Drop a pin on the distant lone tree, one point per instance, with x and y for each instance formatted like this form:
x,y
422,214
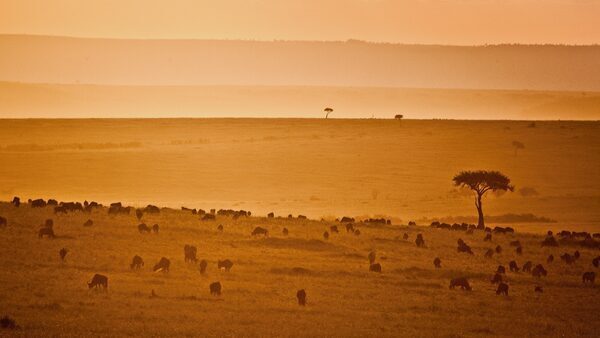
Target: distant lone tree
x,y
398,117
327,111
518,146
480,182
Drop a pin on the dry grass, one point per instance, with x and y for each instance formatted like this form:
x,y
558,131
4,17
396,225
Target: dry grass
x,y
410,298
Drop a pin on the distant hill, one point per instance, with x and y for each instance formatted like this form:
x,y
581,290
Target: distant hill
x,y
63,60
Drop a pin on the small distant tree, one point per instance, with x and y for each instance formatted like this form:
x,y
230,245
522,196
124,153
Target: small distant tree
x,y
327,111
518,146
399,117
480,182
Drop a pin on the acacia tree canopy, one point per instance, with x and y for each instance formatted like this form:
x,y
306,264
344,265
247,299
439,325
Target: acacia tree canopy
x,y
482,181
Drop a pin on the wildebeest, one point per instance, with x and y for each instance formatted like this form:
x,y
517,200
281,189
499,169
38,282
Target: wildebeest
x,y
464,247
539,289
99,281
215,289
270,215
220,228
16,201
489,253
225,264
136,263
301,217
202,266
502,289
375,267
513,266
501,269
372,257
420,241
515,243
38,203
301,295
63,253
405,236
334,229
285,231
59,210
8,323
350,227
142,227
412,223
45,231
260,231
462,282
49,223
527,266
151,209
550,241
437,262
487,238
347,219
88,223
539,271
498,249
208,217
189,252
162,265
497,278
519,250
550,259
589,276
155,228
139,214
567,258
596,261
326,235
3,222
356,232
576,255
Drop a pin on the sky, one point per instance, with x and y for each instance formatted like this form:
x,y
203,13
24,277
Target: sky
x,y
456,22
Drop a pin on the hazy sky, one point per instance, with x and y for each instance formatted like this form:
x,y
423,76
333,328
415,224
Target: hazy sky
x,y
408,21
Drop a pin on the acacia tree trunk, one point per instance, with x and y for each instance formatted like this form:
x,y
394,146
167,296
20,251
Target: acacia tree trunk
x,y
480,223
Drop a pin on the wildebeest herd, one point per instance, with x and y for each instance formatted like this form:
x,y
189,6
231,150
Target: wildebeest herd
x,y
464,246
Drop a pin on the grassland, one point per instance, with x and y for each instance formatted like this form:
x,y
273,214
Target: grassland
x,y
410,297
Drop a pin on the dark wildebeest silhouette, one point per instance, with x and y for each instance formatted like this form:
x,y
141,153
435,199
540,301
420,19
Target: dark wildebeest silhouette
x,y
464,247
225,264
99,281
215,289
550,241
290,216
576,255
375,267
260,231
550,259
285,231
515,243
139,214
8,323
513,266
38,203
412,223
501,269
539,289
63,253
326,235
539,271
372,257
60,210
162,265
346,219
527,266
208,217
567,258
502,289
16,201
356,232
489,253
497,278
498,249
334,229
155,228
420,241
462,282
301,295
302,217
49,223
202,266
220,228
589,276
189,253
45,231
88,223
596,261
270,215
151,209
437,262
405,236
3,222
136,263
488,237
349,227
143,228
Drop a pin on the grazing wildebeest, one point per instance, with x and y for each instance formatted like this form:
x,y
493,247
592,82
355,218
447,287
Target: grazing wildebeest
x,y
143,228
326,235
349,227
59,210
589,276
290,216
550,259
301,295
220,228
301,217
519,250
515,243
347,219
260,231
225,264
375,267
202,266
215,289
99,281
88,223
498,249
334,229
372,257
285,231
189,252
155,228
16,201
539,271
8,323
162,265
412,223
136,263
270,215
567,258
501,269
356,232
208,217
497,278
502,289
45,231
550,241
489,253
405,236
63,253
420,241
527,266
487,238
539,289
3,222
49,223
437,262
139,214
463,247
462,282
151,209
39,203
596,261
513,266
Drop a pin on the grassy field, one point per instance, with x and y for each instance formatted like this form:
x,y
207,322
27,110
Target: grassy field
x,y
410,297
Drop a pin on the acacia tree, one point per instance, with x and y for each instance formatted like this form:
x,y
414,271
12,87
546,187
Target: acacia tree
x,y
327,111
480,182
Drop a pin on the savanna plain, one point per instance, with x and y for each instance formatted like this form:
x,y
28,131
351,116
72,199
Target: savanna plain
x,y
324,169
